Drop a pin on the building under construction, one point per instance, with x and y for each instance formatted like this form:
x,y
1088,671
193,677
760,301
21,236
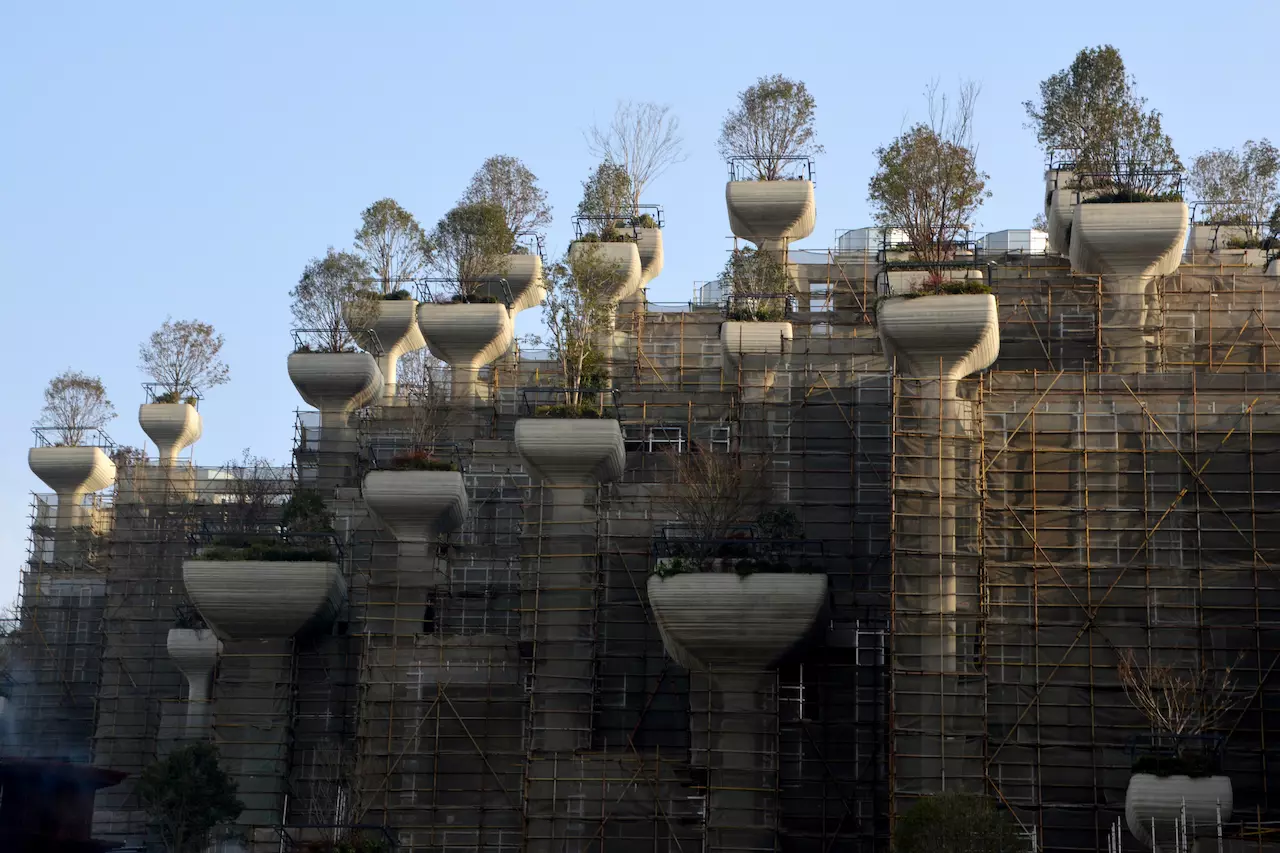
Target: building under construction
x,y
995,496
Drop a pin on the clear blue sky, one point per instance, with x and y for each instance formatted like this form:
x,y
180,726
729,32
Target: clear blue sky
x,y
188,159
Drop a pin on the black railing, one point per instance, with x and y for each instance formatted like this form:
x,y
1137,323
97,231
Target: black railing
x,y
158,392
306,340
623,223
50,436
603,400
760,306
755,168
400,452
449,291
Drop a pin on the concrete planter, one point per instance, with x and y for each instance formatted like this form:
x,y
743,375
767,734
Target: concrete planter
x,y
395,333
467,337
722,621
172,426
770,213
946,336
1214,238
417,506
195,651
523,275
1128,245
336,383
742,339
1160,799
261,599
72,472
565,451
624,258
649,245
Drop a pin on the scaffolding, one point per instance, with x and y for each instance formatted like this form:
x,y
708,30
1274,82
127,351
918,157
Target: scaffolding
x,y
505,686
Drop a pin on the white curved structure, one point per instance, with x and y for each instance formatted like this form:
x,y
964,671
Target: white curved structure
x,y
523,275
1128,245
622,258
649,246
1060,202
467,336
72,472
944,337
713,621
256,599
417,506
1160,800
195,651
394,328
771,213
336,383
571,451
172,426
753,352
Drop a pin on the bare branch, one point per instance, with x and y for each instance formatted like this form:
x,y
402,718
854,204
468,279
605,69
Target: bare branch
x,y
1178,701
75,403
183,358
642,138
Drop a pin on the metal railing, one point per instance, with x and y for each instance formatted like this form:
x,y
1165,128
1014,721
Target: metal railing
x,y
797,167
302,341
155,391
53,436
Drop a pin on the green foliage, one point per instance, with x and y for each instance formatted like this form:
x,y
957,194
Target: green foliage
x,y
772,121
1132,196
472,241
757,282
348,845
1194,764
321,298
420,460
174,397
585,411
1245,183
473,299
506,181
1090,109
305,512
957,823
184,356
644,220
606,193
392,245
267,550
397,296
186,795
75,403
779,523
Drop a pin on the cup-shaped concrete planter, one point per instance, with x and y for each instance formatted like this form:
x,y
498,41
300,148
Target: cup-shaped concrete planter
x,y
622,258
1216,238
417,506
649,245
72,472
945,337
770,213
195,651
467,336
394,328
336,383
743,339
1160,800
571,451
172,426
258,599
713,621
524,284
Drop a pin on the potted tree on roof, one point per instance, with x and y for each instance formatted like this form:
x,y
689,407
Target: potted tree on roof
x,y
1130,222
643,139
768,140
1238,192
756,334
1177,778
182,359
603,228
508,183
462,324
72,453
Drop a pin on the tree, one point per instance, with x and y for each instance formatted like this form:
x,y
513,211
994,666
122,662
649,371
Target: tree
x,y
715,493
1178,701
252,487
324,299
757,283
182,358
508,183
578,309
957,823
606,196
392,244
644,139
772,122
187,794
424,385
1091,110
1039,223
927,182
75,403
1244,184
472,240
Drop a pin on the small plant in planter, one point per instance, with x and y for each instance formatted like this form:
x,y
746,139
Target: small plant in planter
x,y
303,521
583,410
758,285
419,460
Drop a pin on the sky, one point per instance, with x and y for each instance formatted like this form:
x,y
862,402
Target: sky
x,y
186,160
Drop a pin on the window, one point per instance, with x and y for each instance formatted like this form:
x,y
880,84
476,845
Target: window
x,y
721,437
661,438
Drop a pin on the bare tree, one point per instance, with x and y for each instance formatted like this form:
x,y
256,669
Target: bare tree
x,y
425,387
75,403
328,299
508,183
252,486
772,122
183,358
472,241
392,244
642,138
928,183
1176,700
715,493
